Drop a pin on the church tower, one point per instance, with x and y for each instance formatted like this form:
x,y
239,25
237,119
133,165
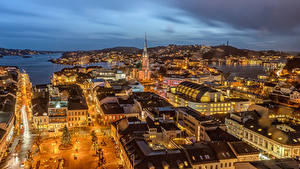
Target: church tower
x,y
146,74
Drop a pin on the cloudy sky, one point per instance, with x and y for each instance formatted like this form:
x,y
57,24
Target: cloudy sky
x,y
96,24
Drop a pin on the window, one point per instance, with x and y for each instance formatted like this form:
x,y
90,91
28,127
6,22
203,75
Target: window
x,y
225,165
229,164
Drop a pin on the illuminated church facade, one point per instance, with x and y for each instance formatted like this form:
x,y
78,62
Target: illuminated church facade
x,y
145,73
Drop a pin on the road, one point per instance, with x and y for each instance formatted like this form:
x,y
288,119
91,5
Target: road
x,y
19,152
22,143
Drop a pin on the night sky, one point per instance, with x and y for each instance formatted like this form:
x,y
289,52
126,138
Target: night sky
x,y
96,24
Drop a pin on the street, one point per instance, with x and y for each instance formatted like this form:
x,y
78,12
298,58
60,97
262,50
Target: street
x,y
20,149
22,143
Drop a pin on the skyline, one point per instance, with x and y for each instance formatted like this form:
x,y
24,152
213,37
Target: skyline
x,y
80,25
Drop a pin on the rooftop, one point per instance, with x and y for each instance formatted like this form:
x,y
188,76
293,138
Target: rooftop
x,y
276,164
77,104
263,125
200,153
220,135
5,116
242,148
144,156
112,108
193,113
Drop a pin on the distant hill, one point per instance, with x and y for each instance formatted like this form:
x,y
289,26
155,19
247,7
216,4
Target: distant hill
x,y
223,50
20,52
122,49
106,50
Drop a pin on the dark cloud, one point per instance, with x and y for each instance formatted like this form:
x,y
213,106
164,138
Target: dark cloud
x,y
80,24
169,29
173,19
267,16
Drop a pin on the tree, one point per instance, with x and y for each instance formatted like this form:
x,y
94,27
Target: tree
x,y
38,141
94,140
29,159
66,137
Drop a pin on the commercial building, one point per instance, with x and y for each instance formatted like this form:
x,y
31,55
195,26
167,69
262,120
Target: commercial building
x,y
77,115
276,139
57,106
115,108
40,112
113,75
57,113
205,99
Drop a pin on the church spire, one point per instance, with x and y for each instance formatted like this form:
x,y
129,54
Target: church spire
x,y
145,47
145,54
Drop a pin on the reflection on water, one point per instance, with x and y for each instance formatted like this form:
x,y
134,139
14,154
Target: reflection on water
x,y
241,70
38,67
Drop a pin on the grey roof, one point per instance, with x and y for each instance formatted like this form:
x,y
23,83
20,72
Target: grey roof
x,y
200,153
193,113
142,156
242,148
222,150
276,164
5,116
112,108
220,135
77,104
2,132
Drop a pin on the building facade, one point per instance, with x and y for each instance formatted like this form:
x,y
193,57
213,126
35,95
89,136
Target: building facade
x,y
280,141
204,99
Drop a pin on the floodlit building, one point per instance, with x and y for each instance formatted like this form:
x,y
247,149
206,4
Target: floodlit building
x,y
276,139
55,107
106,74
205,99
